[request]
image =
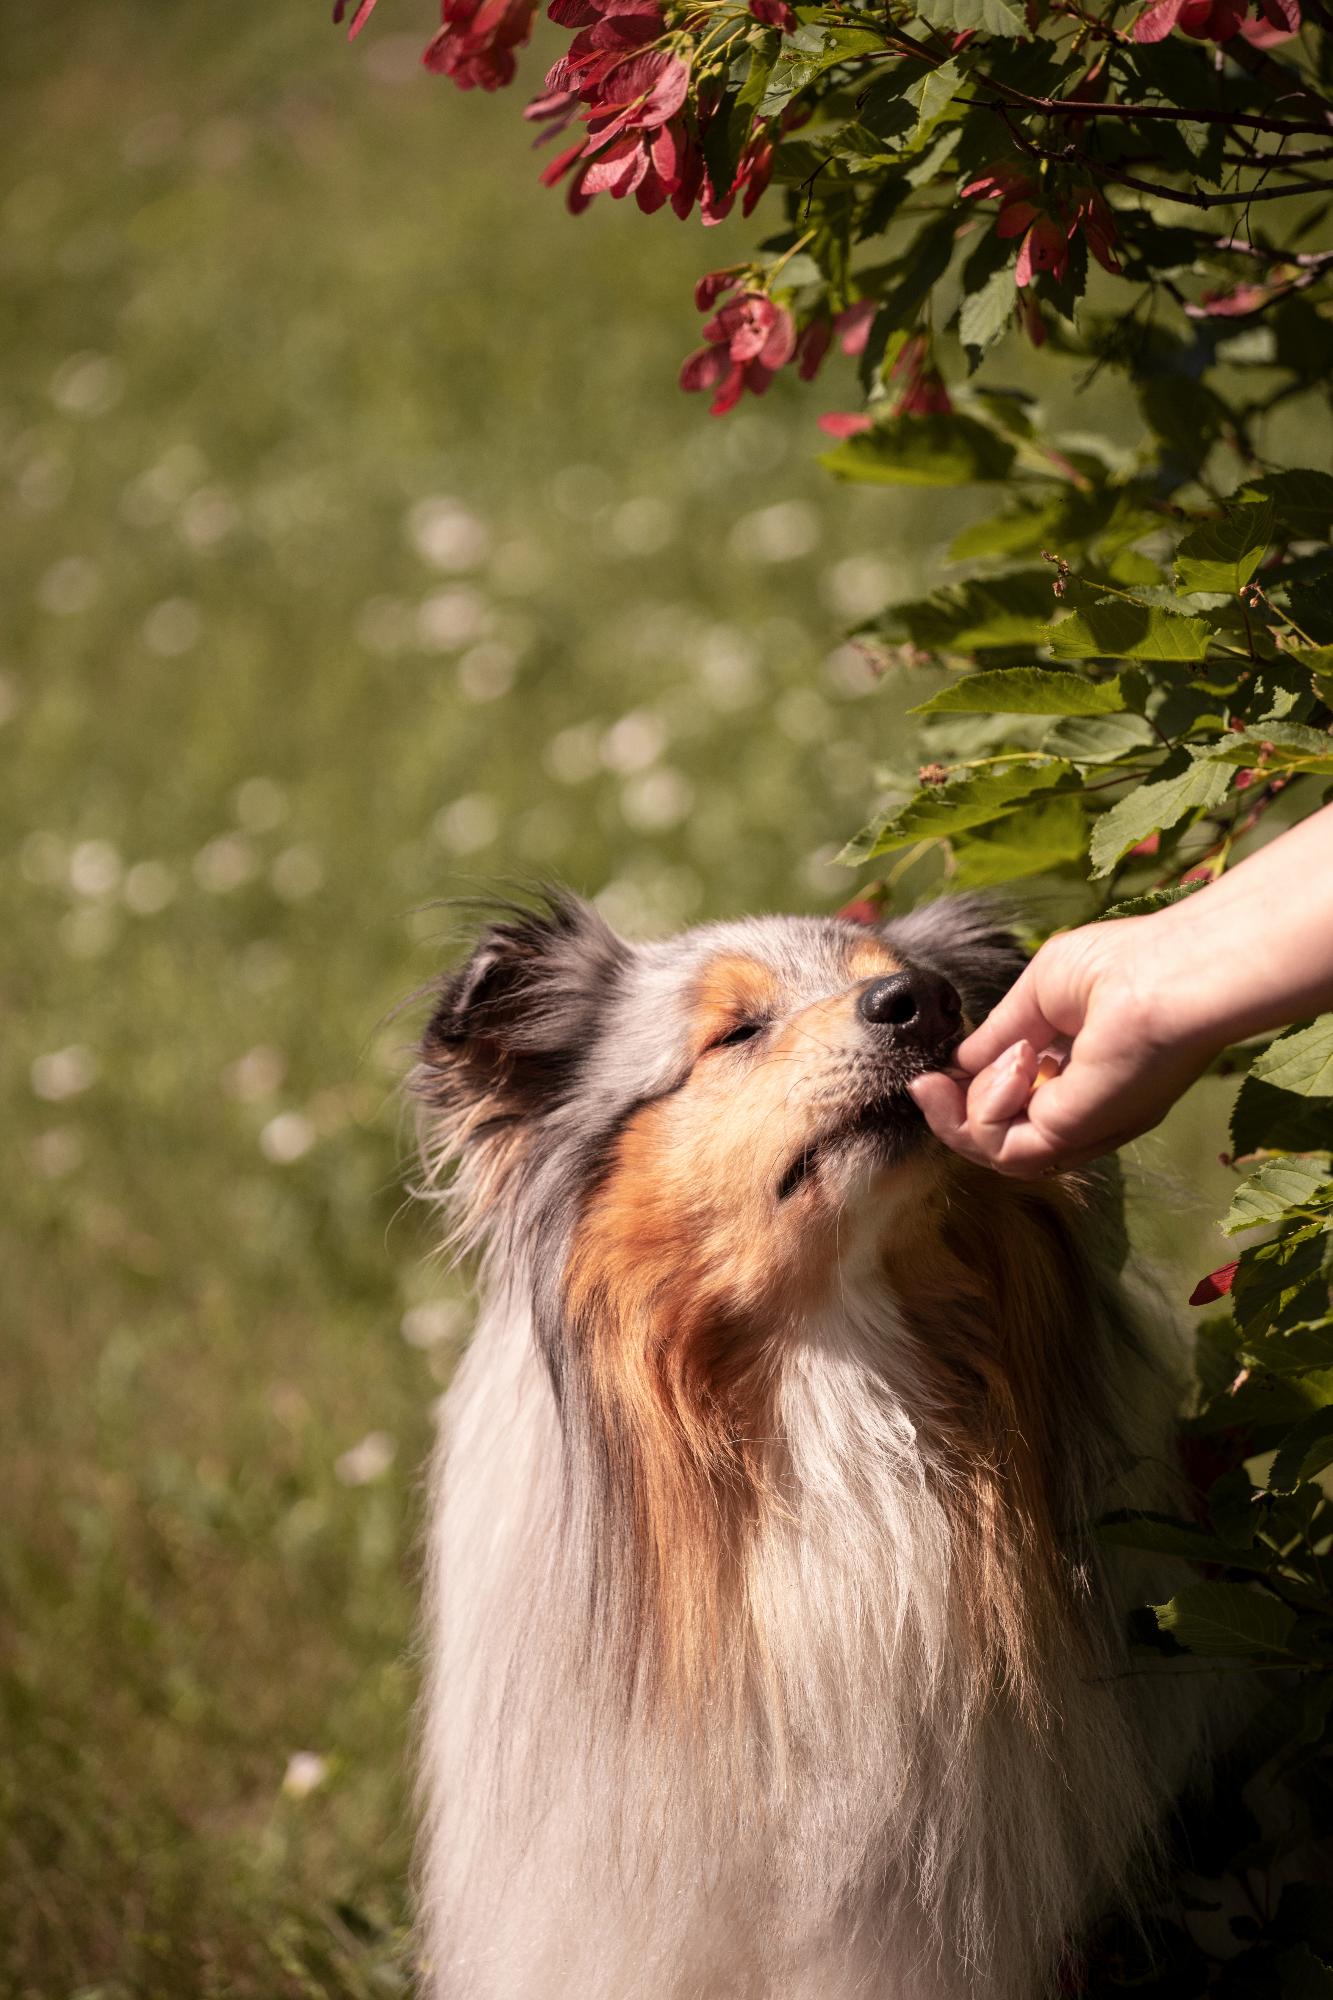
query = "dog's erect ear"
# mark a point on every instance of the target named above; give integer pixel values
(512, 1025)
(968, 939)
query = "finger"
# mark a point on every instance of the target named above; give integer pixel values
(1016, 1018)
(943, 1104)
(1001, 1092)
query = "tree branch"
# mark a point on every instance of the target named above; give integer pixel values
(1240, 199)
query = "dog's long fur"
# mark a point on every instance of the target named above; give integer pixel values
(770, 1653)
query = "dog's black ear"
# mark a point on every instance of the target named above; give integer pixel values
(513, 1024)
(967, 938)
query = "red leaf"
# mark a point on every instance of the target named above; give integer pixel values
(1215, 1286)
(1156, 23)
(844, 423)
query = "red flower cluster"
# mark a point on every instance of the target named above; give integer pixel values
(474, 43)
(1046, 222)
(749, 339)
(851, 330)
(630, 93)
(921, 393)
(1220, 21)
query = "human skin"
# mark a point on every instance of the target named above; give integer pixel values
(1142, 1006)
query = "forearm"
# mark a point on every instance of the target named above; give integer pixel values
(1253, 950)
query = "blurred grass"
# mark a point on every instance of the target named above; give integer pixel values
(357, 548)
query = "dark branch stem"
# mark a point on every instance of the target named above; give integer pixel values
(1241, 198)
(1070, 107)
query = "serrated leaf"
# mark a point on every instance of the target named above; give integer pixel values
(1298, 1349)
(914, 276)
(1317, 661)
(935, 92)
(1046, 834)
(1151, 900)
(935, 450)
(1021, 533)
(939, 810)
(1264, 1117)
(1304, 1453)
(1099, 739)
(973, 617)
(1302, 500)
(985, 313)
(1024, 691)
(1151, 807)
(807, 55)
(1279, 745)
(1278, 1188)
(763, 56)
(1121, 628)
(1223, 555)
(983, 17)
(1300, 1061)
(1163, 1535)
(1285, 1276)
(1227, 1619)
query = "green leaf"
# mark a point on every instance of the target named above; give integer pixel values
(939, 810)
(1046, 834)
(941, 450)
(1122, 628)
(985, 17)
(1279, 1188)
(915, 275)
(1285, 1276)
(1304, 1453)
(1099, 740)
(1301, 1061)
(984, 314)
(1163, 1535)
(1152, 899)
(1302, 501)
(1277, 745)
(1227, 1619)
(764, 54)
(935, 92)
(1317, 661)
(807, 54)
(1293, 1350)
(1223, 555)
(1024, 532)
(973, 617)
(1264, 1117)
(1024, 691)
(1154, 806)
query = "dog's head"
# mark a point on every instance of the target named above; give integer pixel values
(726, 1101)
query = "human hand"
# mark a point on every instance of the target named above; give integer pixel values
(1117, 1005)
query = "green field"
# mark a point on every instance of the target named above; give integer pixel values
(358, 551)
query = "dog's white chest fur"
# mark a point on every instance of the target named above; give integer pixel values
(860, 1824)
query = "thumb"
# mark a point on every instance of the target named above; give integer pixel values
(1016, 1018)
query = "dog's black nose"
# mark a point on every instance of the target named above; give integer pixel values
(920, 1007)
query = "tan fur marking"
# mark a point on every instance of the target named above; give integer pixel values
(988, 1283)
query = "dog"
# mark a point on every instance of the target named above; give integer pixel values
(771, 1651)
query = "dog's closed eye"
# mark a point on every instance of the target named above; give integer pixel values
(743, 1031)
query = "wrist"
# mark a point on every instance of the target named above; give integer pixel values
(1208, 975)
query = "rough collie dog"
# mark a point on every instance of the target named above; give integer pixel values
(772, 1656)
